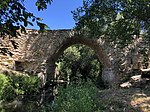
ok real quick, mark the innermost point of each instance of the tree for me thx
(118, 20)
(14, 16)
(79, 64)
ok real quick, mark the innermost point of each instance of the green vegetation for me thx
(14, 16)
(88, 98)
(85, 97)
(79, 64)
(81, 93)
(116, 20)
(3, 83)
(76, 99)
(13, 86)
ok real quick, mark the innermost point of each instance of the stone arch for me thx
(94, 44)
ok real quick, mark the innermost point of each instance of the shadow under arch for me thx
(94, 44)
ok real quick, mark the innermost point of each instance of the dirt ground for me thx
(134, 96)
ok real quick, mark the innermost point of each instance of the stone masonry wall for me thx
(36, 50)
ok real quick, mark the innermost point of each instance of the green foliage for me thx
(3, 83)
(6, 90)
(118, 20)
(11, 87)
(25, 84)
(79, 63)
(76, 99)
(72, 52)
(9, 93)
(14, 16)
(42, 4)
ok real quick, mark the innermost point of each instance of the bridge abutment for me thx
(109, 78)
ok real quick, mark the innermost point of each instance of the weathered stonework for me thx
(41, 50)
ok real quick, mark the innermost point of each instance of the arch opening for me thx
(79, 64)
(93, 44)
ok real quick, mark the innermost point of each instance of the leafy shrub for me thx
(3, 83)
(25, 84)
(9, 93)
(76, 99)
(13, 86)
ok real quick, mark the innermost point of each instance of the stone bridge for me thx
(41, 50)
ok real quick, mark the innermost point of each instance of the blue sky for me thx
(58, 15)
